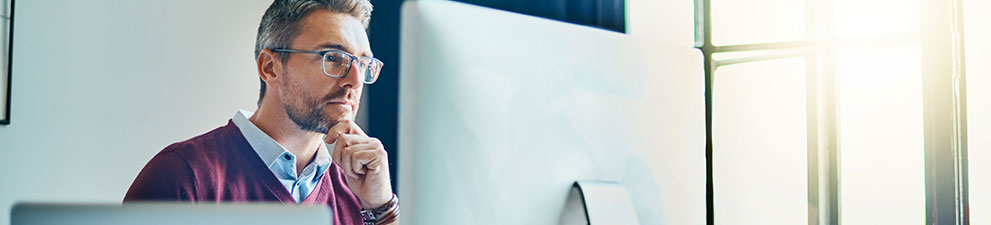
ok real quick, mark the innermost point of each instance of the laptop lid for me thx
(168, 214)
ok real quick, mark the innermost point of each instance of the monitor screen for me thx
(501, 113)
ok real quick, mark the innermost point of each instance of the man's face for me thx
(314, 101)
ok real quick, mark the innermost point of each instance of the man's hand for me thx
(364, 162)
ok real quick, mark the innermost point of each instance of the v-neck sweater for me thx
(220, 166)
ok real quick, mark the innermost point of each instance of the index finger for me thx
(346, 127)
(355, 129)
(342, 127)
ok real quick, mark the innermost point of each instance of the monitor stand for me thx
(598, 203)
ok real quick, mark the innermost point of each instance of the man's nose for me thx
(353, 78)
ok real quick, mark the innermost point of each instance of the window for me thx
(978, 54)
(768, 164)
(881, 149)
(834, 111)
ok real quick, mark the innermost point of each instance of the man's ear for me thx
(269, 67)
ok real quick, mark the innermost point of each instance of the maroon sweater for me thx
(220, 166)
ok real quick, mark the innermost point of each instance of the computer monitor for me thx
(168, 214)
(501, 113)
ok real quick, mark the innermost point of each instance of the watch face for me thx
(367, 216)
(389, 211)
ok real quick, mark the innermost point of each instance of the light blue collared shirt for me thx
(282, 162)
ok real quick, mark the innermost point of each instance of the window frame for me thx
(5, 97)
(944, 99)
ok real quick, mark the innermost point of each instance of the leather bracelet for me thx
(386, 214)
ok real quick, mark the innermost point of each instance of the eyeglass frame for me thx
(323, 66)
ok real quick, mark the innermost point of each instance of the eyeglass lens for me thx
(337, 64)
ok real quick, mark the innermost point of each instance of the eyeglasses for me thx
(337, 64)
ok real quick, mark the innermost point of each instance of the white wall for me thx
(100, 86)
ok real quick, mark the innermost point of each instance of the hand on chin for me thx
(364, 162)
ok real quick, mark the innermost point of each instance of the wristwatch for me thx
(382, 215)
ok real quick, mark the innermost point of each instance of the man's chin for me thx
(340, 118)
(329, 123)
(338, 114)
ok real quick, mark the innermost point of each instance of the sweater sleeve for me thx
(167, 177)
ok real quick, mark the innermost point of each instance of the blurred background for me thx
(814, 111)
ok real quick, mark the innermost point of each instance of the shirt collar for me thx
(322, 157)
(267, 148)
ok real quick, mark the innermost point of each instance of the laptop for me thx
(168, 214)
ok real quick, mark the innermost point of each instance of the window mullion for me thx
(944, 113)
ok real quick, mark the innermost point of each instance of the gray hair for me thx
(281, 22)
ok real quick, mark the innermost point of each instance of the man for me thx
(301, 145)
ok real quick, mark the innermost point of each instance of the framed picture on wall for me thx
(6, 60)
